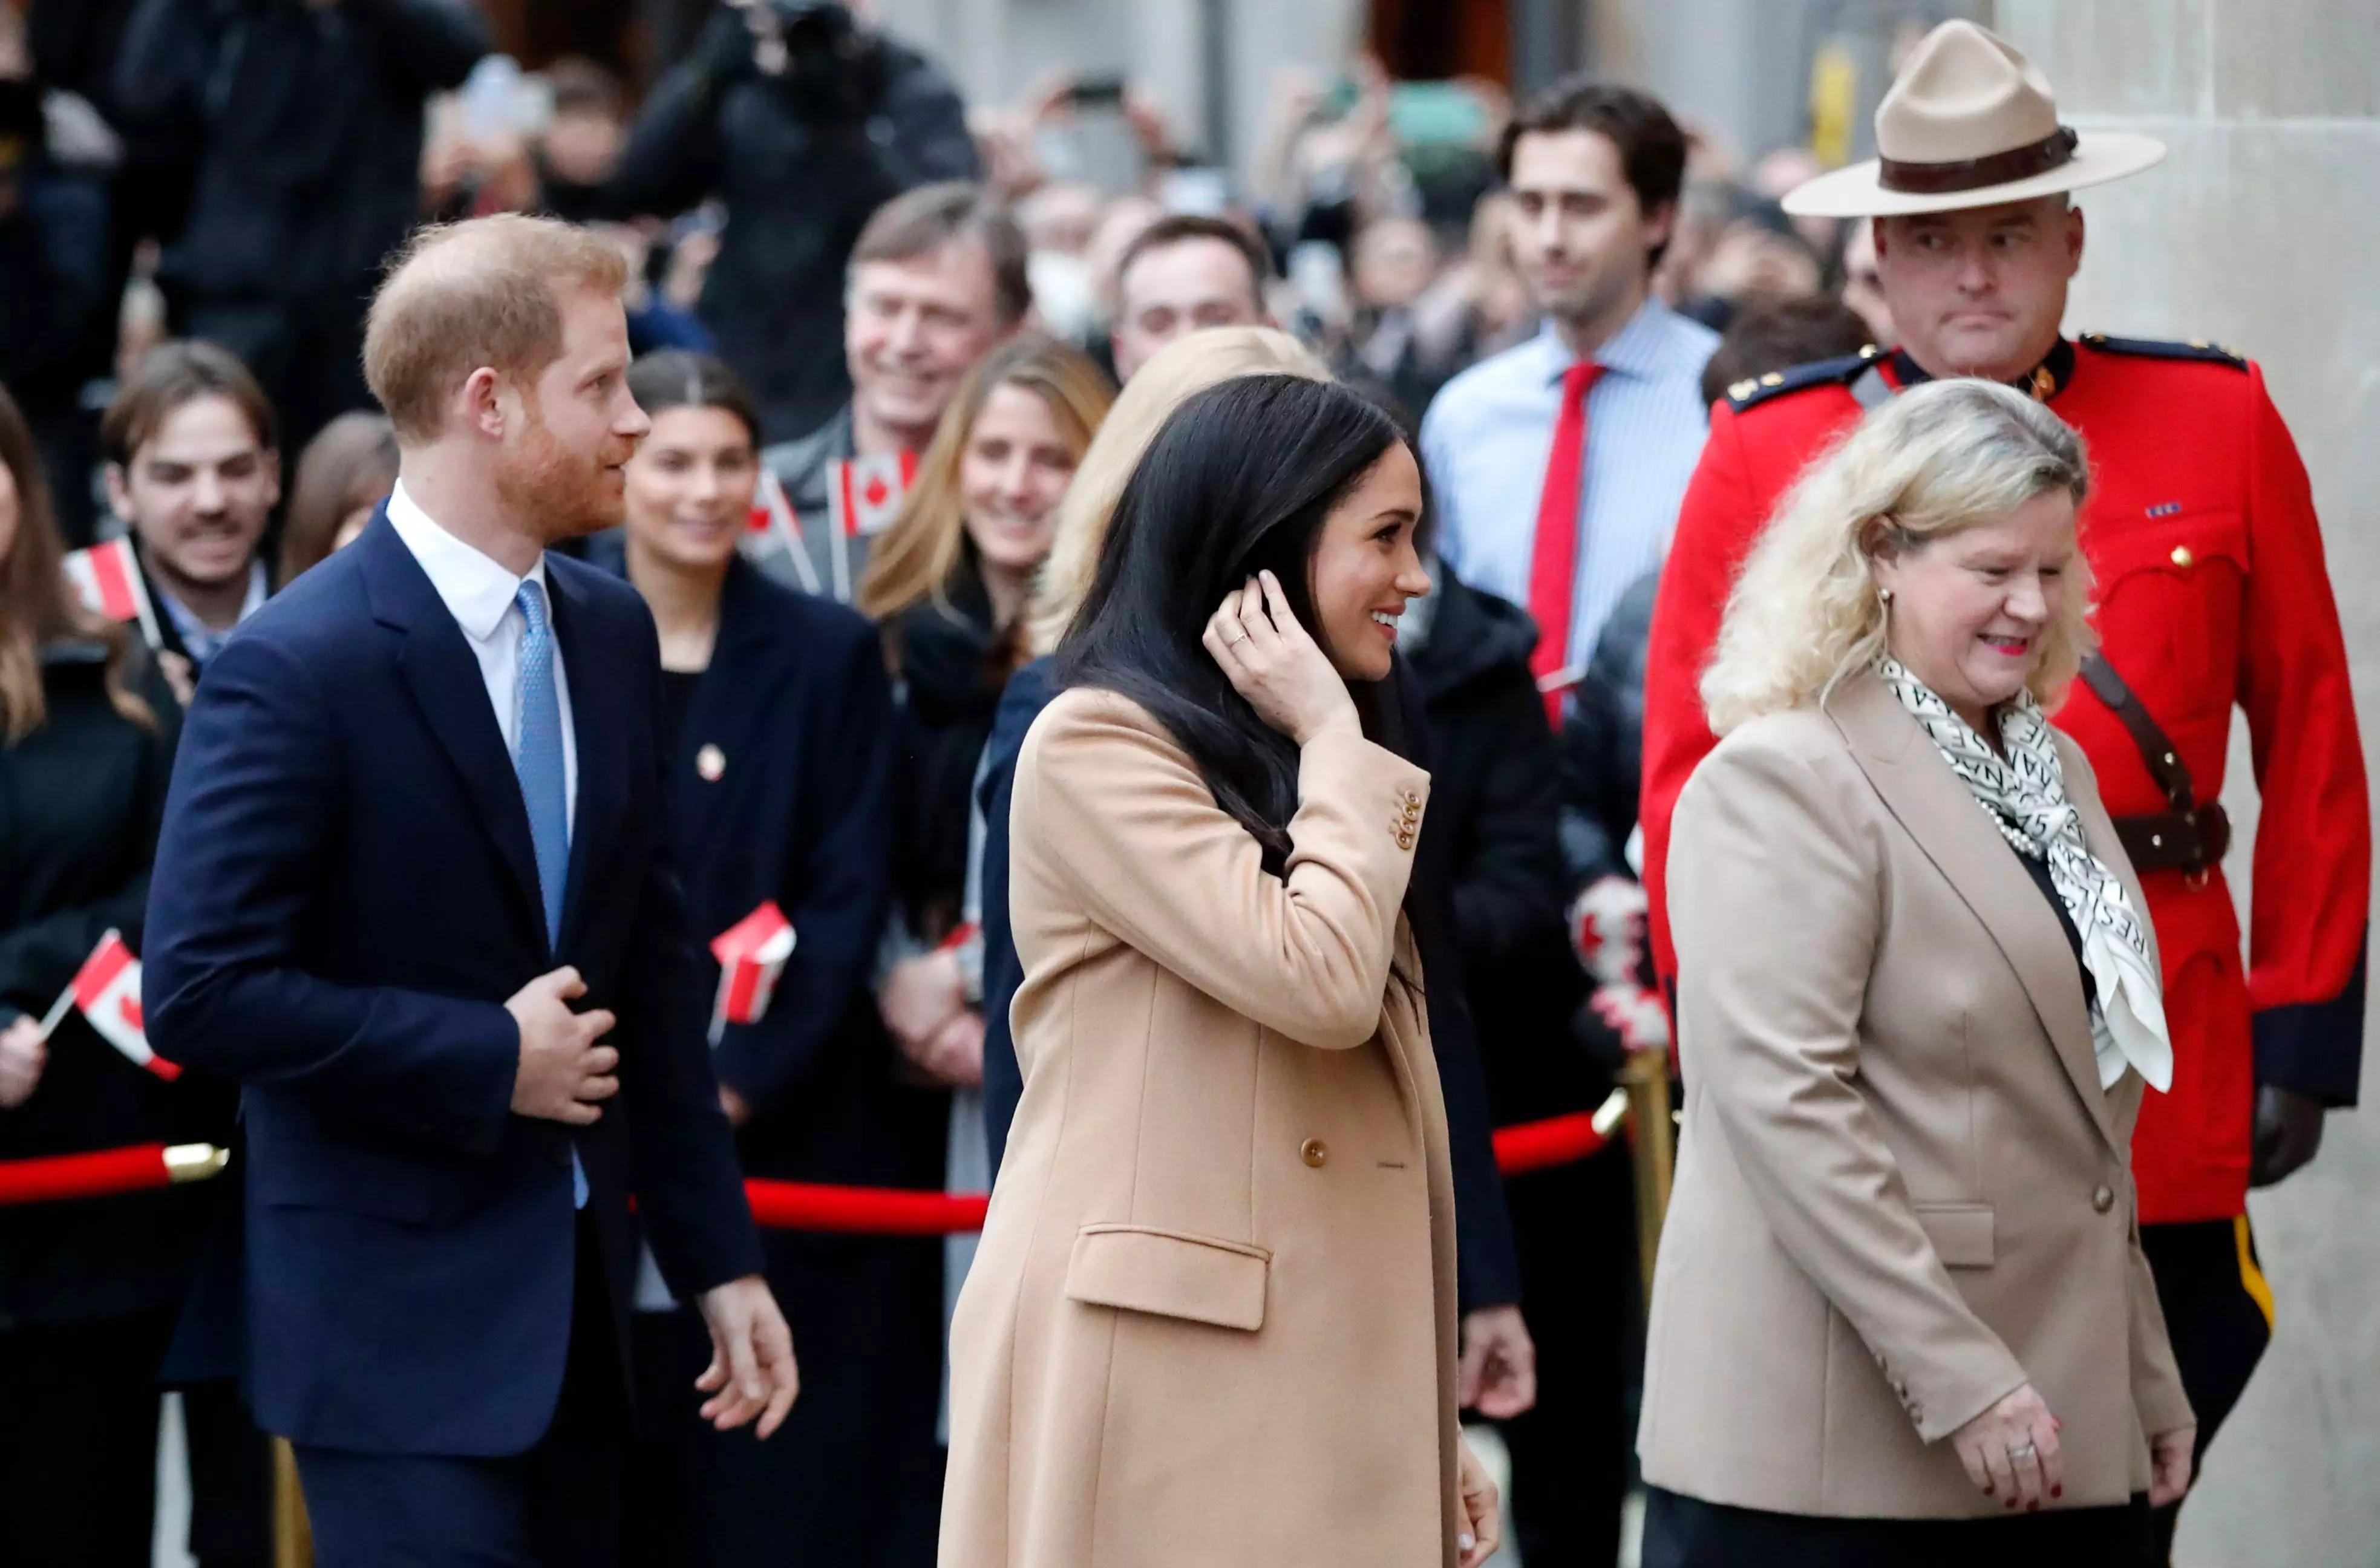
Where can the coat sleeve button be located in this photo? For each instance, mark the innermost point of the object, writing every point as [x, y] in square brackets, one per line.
[2102, 1199]
[1315, 1152]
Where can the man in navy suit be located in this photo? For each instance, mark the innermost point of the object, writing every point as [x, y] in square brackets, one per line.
[411, 895]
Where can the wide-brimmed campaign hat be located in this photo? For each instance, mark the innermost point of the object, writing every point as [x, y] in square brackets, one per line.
[1969, 123]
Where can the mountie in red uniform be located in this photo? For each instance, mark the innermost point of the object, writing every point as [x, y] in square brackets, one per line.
[2211, 593]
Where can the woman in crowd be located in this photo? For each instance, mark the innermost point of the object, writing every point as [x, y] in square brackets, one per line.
[948, 584]
[1213, 1318]
[89, 1291]
[1901, 1312]
[780, 729]
[343, 476]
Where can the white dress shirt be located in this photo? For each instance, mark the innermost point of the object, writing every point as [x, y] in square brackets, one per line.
[1488, 435]
[478, 591]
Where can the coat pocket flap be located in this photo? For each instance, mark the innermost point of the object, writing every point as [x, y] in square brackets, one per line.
[1962, 1233]
[1171, 1273]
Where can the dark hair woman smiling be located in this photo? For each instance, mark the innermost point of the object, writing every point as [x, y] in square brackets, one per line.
[1218, 1275]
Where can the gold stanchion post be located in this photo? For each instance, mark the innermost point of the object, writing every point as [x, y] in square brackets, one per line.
[1652, 1146]
[293, 1538]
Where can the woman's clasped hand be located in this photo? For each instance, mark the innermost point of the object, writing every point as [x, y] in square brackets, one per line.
[1273, 662]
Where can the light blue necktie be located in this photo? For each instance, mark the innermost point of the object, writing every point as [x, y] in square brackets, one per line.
[537, 759]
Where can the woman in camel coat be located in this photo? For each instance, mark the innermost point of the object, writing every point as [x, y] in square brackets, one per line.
[1213, 1318]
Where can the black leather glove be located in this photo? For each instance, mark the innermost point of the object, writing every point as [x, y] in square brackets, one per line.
[2289, 1133]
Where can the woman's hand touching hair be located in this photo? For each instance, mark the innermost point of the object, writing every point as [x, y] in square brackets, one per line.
[1272, 662]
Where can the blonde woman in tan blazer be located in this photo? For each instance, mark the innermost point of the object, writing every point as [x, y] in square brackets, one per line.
[1902, 1313]
[1213, 1318]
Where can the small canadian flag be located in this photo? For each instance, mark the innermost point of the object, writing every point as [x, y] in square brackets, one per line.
[863, 496]
[866, 492]
[751, 954]
[770, 528]
[107, 578]
[107, 991]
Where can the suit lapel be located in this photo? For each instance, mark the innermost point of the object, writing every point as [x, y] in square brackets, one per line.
[1940, 813]
[443, 678]
[600, 729]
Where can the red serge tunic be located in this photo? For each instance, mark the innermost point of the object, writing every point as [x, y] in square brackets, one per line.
[2212, 594]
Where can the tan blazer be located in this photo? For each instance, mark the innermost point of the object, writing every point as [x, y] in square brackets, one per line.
[1900, 1193]
[1212, 1319]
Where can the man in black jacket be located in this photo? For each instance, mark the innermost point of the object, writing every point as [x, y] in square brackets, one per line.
[803, 123]
[307, 114]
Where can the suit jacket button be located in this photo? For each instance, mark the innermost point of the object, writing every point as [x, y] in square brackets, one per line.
[1315, 1152]
[2102, 1200]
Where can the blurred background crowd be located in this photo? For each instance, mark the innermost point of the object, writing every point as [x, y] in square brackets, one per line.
[889, 262]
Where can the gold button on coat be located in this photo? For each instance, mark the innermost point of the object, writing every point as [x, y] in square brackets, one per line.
[2102, 1200]
[1315, 1152]
[2182, 558]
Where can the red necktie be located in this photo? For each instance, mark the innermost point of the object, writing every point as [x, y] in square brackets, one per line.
[1553, 559]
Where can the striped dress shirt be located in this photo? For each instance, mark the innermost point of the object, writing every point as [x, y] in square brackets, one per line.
[1488, 435]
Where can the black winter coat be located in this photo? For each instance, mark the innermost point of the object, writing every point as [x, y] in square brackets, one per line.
[311, 124]
[1494, 802]
[80, 800]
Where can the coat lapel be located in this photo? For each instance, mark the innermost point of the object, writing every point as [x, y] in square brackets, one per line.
[443, 678]
[599, 728]
[1940, 813]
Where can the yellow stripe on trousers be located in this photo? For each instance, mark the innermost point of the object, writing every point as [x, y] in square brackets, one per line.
[2252, 1277]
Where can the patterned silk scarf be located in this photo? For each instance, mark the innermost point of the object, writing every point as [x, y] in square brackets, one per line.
[2024, 794]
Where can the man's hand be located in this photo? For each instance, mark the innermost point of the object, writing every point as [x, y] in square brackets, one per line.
[563, 1074]
[954, 1055]
[2289, 1134]
[1498, 1373]
[23, 1054]
[751, 1371]
[920, 995]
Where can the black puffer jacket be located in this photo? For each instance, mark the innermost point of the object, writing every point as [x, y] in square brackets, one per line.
[800, 171]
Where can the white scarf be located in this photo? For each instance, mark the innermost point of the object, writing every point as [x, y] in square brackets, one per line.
[2024, 794]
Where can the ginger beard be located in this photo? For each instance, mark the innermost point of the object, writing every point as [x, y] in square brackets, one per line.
[569, 493]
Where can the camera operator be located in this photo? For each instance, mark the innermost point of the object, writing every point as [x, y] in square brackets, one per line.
[803, 122]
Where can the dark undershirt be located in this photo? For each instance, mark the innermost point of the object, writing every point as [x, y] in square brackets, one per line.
[677, 699]
[2039, 871]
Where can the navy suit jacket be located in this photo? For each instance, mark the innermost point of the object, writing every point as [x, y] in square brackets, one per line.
[345, 895]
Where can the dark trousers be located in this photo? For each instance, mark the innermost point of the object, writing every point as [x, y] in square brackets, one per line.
[2211, 1287]
[79, 1444]
[1576, 1229]
[557, 1506]
[1686, 1532]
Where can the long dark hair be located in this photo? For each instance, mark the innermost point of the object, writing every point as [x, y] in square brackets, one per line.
[1238, 481]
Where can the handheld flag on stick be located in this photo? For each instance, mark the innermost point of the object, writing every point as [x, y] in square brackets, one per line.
[751, 954]
[771, 528]
[107, 578]
[107, 991]
[864, 494]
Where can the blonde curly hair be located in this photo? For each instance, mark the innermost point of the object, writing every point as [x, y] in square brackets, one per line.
[1939, 459]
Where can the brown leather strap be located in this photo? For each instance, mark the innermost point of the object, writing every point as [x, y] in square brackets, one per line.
[2191, 837]
[2054, 151]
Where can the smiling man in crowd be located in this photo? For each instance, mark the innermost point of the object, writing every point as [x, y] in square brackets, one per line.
[937, 278]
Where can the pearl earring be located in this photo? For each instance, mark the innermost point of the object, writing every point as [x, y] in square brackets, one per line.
[1883, 595]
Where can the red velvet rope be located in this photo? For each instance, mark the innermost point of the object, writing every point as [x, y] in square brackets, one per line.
[778, 1206]
[83, 1175]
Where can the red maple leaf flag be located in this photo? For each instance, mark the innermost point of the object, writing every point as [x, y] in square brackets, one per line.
[751, 954]
[107, 991]
[107, 578]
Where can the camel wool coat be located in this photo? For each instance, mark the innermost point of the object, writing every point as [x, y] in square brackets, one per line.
[1213, 1317]
[1901, 1192]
